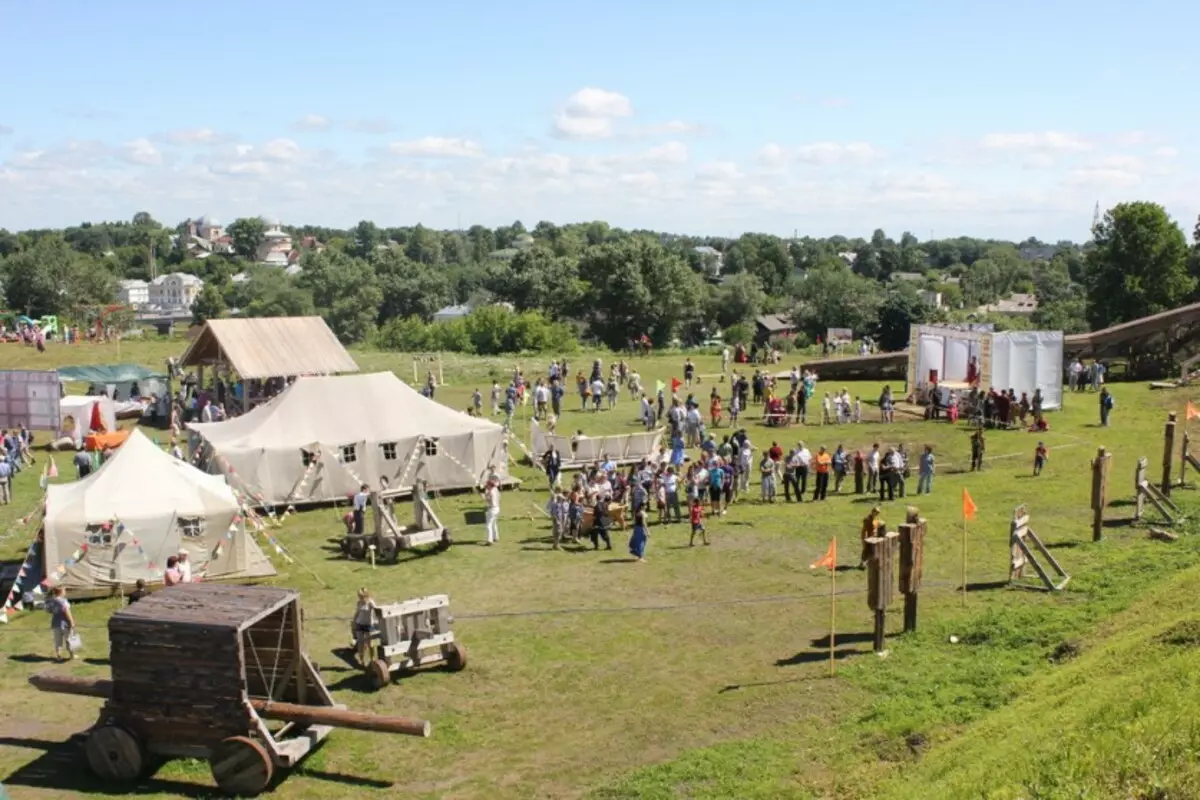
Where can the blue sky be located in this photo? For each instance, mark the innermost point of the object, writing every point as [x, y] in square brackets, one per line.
[946, 118]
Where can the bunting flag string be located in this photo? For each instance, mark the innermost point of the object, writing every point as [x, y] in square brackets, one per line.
[28, 567]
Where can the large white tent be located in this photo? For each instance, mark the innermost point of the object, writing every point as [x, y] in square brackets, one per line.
[1019, 360]
[324, 436]
[141, 507]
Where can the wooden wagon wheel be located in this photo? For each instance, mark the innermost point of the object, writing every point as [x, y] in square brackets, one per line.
[358, 548]
[115, 754]
[380, 673]
[455, 655]
[445, 542]
[389, 549]
[241, 766]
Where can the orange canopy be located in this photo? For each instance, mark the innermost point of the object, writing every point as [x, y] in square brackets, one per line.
[104, 441]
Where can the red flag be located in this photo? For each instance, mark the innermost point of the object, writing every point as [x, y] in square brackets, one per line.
[53, 471]
[969, 507]
[675, 384]
[97, 423]
[1192, 412]
[829, 560]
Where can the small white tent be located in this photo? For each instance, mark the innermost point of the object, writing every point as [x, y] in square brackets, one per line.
[141, 507]
[324, 436]
[75, 416]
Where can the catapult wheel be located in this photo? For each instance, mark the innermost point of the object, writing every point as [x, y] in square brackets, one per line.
[241, 766]
[445, 542]
[380, 673]
[115, 754]
[389, 548]
[358, 548]
[456, 656]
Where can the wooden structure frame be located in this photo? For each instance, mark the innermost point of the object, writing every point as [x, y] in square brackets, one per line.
[413, 635]
[1145, 490]
[912, 564]
[1186, 459]
[1022, 554]
[389, 537]
[199, 671]
[881, 572]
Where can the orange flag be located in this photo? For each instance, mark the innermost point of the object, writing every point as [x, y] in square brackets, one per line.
[675, 384]
[1192, 412]
[829, 560]
[969, 507]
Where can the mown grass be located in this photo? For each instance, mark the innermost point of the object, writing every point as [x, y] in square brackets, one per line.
[702, 672]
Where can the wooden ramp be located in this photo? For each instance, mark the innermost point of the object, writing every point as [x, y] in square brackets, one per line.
[1027, 550]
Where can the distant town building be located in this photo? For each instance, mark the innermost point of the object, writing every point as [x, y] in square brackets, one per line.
[1017, 305]
[908, 276]
[770, 325]
[712, 258]
[174, 292]
[524, 241]
[931, 298]
[276, 246]
[204, 236]
[451, 312]
[849, 257]
[133, 293]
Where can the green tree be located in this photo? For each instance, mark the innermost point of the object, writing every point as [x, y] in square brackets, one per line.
[636, 287]
[1138, 265]
[764, 256]
[901, 308]
[538, 279]
[51, 278]
[209, 304]
[267, 293]
[425, 246]
[248, 234]
[408, 288]
[834, 297]
[366, 237]
[345, 292]
[739, 299]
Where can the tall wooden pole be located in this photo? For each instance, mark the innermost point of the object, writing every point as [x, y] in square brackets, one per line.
[1099, 492]
[1183, 454]
[1168, 453]
[964, 561]
[832, 615]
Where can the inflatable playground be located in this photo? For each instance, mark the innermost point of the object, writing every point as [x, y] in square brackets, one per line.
[13, 326]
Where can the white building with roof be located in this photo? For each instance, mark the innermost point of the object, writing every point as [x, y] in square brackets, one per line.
[276, 245]
[174, 292]
[134, 293]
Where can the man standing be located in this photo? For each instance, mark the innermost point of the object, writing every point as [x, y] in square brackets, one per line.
[1106, 406]
[491, 496]
[824, 462]
[360, 508]
[791, 476]
[873, 469]
[977, 448]
[5, 480]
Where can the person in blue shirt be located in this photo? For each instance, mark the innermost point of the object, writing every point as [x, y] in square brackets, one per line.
[6, 473]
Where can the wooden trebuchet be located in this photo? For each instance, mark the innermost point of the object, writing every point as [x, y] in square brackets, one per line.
[216, 672]
[280, 712]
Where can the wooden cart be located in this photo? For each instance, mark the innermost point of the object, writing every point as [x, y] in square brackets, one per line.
[409, 636]
[202, 670]
[390, 537]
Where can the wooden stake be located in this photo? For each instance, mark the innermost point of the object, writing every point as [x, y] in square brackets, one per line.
[1168, 453]
[1099, 492]
[964, 562]
[832, 617]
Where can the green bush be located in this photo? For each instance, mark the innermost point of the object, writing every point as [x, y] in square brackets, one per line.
[490, 330]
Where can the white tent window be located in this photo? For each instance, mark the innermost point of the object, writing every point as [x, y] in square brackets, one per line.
[349, 454]
[431, 446]
[190, 527]
[307, 458]
[100, 535]
[389, 451]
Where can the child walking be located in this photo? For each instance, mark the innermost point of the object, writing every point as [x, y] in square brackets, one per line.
[925, 477]
[364, 623]
[698, 523]
[62, 623]
[1040, 455]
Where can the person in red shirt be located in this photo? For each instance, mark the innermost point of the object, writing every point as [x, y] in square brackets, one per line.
[1039, 458]
[776, 452]
[698, 523]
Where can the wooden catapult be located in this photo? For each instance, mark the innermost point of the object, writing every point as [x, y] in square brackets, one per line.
[410, 636]
[202, 670]
[1027, 549]
[389, 537]
[1147, 491]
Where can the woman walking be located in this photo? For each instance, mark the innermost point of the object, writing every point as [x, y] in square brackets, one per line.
[640, 537]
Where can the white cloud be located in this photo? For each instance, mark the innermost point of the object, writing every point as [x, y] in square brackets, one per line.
[6, 130]
[1046, 141]
[1166, 152]
[373, 125]
[818, 153]
[141, 151]
[436, 147]
[193, 136]
[590, 113]
[1100, 177]
[675, 127]
[669, 153]
[281, 150]
[312, 122]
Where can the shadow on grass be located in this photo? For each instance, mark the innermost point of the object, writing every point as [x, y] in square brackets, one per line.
[629, 560]
[843, 638]
[1118, 523]
[59, 769]
[986, 586]
[818, 656]
[1121, 503]
[1063, 545]
[736, 687]
[31, 658]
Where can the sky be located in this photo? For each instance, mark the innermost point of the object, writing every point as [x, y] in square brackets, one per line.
[941, 118]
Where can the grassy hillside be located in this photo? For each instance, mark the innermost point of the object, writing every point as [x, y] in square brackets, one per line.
[703, 672]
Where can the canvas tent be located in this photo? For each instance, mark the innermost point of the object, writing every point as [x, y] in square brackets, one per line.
[122, 523]
[323, 436]
[1019, 360]
[75, 417]
[582, 451]
[119, 378]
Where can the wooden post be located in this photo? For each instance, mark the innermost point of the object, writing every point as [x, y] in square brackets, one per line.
[1168, 453]
[912, 559]
[1139, 477]
[1099, 492]
[298, 652]
[880, 578]
[1183, 454]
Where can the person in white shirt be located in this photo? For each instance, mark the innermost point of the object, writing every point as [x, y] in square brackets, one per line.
[597, 393]
[185, 567]
[873, 469]
[491, 495]
[725, 359]
[360, 508]
[803, 462]
[175, 450]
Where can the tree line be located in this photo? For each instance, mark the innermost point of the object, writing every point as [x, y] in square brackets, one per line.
[554, 285]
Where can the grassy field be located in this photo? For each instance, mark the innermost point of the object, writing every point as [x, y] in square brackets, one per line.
[702, 673]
